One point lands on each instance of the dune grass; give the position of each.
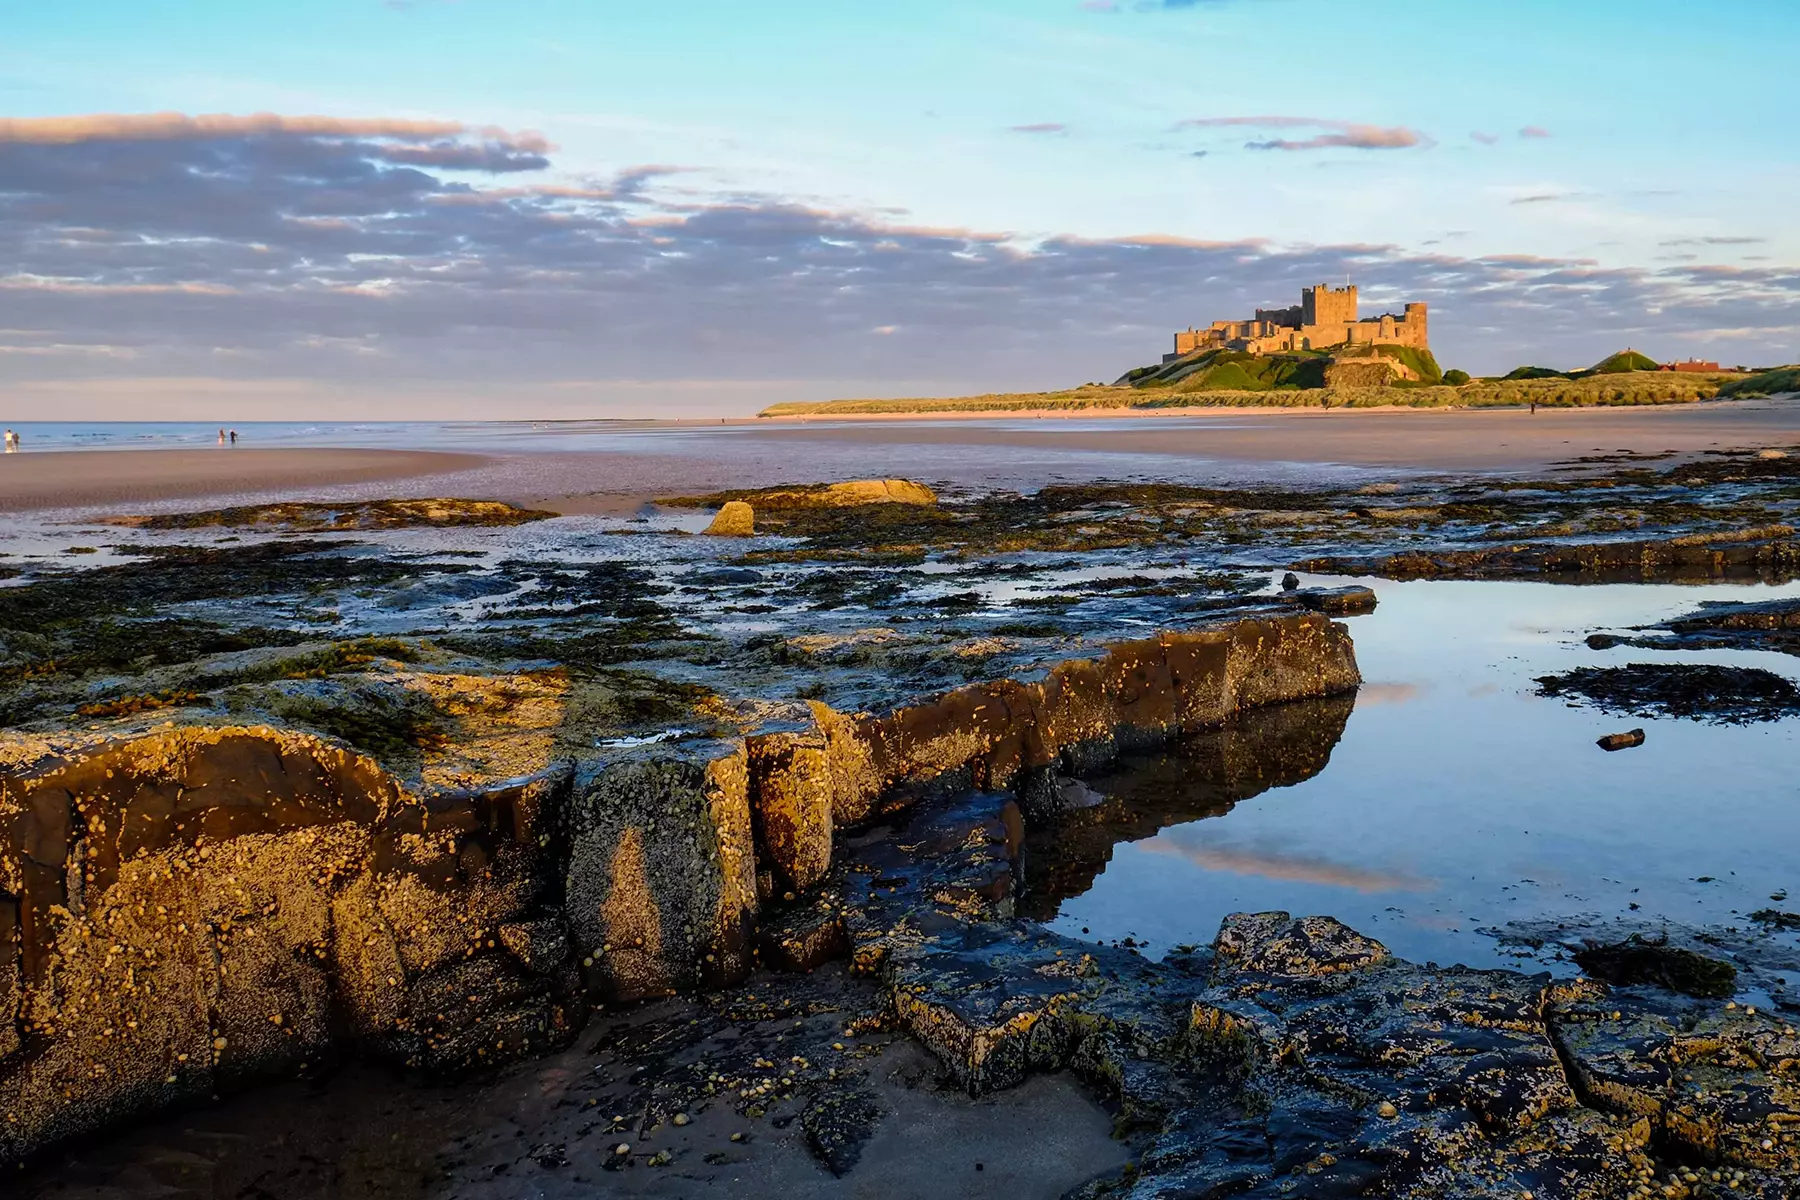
(1632, 388)
(1763, 383)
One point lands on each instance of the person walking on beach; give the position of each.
(12, 442)
(221, 437)
(234, 437)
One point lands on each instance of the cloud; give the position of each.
(1534, 131)
(427, 263)
(1042, 127)
(1715, 241)
(1541, 198)
(173, 126)
(1486, 139)
(1337, 134)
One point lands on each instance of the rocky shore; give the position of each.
(447, 791)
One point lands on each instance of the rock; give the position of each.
(1621, 741)
(734, 519)
(1636, 960)
(1698, 691)
(791, 780)
(1274, 943)
(1343, 601)
(850, 494)
(660, 886)
(1716, 1084)
(1290, 582)
(199, 908)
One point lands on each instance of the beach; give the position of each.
(80, 478)
(610, 470)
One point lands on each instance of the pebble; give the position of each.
(682, 1118)
(1387, 1110)
(623, 1148)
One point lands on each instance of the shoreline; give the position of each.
(54, 479)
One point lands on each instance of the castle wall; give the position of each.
(1324, 318)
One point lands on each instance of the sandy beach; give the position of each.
(1490, 439)
(611, 472)
(63, 479)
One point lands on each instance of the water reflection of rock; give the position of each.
(1205, 775)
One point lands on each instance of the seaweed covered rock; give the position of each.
(1719, 1083)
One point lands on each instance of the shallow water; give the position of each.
(1457, 800)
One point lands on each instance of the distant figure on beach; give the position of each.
(221, 437)
(234, 437)
(1534, 408)
(12, 442)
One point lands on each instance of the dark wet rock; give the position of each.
(439, 589)
(838, 1125)
(1742, 554)
(1630, 739)
(345, 517)
(726, 577)
(804, 935)
(1777, 918)
(1275, 944)
(1341, 601)
(1716, 1083)
(1290, 582)
(1638, 960)
(1727, 695)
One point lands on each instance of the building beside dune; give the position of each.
(1326, 317)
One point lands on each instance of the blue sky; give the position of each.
(700, 207)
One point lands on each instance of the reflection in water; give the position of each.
(1204, 776)
(1186, 843)
(1456, 800)
(1387, 693)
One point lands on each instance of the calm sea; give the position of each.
(143, 435)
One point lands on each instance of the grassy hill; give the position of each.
(1763, 383)
(1638, 387)
(1624, 362)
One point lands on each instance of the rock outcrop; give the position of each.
(197, 908)
(734, 519)
(188, 909)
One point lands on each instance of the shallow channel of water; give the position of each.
(1456, 799)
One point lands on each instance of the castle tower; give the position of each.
(1326, 305)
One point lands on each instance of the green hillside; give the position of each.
(1233, 370)
(1423, 363)
(1763, 383)
(1620, 363)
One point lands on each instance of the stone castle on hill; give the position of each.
(1324, 318)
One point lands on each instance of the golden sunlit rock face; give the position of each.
(187, 908)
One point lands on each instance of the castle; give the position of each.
(1324, 318)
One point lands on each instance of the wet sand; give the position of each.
(70, 478)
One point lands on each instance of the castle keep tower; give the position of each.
(1326, 305)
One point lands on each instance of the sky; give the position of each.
(353, 209)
